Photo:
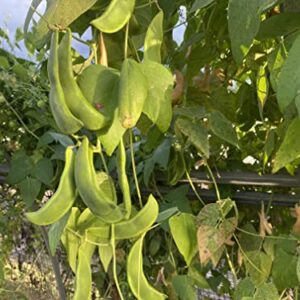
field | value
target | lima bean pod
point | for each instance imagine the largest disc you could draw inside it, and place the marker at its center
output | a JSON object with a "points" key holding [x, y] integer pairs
{"points": [[63, 117], [136, 278], [123, 180], [92, 195], [63, 198], [83, 283], [115, 16], [77, 103], [128, 229]]}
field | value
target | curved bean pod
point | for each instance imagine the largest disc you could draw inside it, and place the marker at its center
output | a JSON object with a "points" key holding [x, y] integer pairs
{"points": [[128, 229], [92, 195], [83, 284], [115, 17], [78, 104], [63, 198], [123, 180], [63, 117], [136, 278]]}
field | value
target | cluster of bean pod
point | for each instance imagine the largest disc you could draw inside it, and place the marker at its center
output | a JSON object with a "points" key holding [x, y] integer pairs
{"points": [[104, 221]]}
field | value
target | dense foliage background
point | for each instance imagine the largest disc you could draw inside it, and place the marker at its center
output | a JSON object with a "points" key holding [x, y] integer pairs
{"points": [[235, 109]]}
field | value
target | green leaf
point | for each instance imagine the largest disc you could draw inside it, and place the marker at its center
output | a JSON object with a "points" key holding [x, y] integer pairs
{"points": [[196, 134], [198, 4], [63, 139], [267, 291], [279, 25], [4, 62], [222, 128], [284, 271], [55, 232], [106, 255], [43, 171], [106, 184], [166, 214], [243, 23], [154, 38], [29, 189], [158, 104], [183, 229], [245, 288], [289, 150], [57, 14], [288, 86], [262, 88], [184, 287], [258, 265], [21, 166]]}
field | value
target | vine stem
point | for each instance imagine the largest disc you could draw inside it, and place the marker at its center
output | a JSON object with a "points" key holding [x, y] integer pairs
{"points": [[55, 267], [214, 180], [126, 41], [231, 266], [113, 244], [191, 181], [138, 191]]}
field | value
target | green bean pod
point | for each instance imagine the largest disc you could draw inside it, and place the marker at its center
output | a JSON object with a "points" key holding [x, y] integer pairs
{"points": [[123, 180], [63, 198], [128, 229], [83, 284], [92, 195], [77, 103], [63, 117], [133, 91], [136, 278], [115, 16]]}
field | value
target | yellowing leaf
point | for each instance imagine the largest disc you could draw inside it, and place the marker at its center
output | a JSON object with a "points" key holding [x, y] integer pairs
{"points": [[262, 86]]}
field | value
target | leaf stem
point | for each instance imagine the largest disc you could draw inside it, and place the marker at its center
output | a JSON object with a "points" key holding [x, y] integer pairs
{"points": [[126, 41], [214, 180]]}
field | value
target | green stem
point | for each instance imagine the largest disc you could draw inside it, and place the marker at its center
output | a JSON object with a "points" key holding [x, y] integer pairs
{"points": [[113, 244], [138, 191], [126, 41], [231, 266], [99, 150], [214, 180]]}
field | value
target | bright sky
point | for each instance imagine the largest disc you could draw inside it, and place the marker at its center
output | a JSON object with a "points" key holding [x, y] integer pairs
{"points": [[13, 13]]}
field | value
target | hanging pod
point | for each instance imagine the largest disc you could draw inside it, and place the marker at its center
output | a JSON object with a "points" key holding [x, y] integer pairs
{"points": [[83, 282], [63, 198], [128, 229], [76, 101], [91, 193], [63, 117], [115, 16], [137, 280]]}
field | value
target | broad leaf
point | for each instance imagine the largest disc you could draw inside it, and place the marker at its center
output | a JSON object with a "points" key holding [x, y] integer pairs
{"points": [[222, 128], [154, 38], [284, 271], [196, 134], [289, 150], [289, 79], [267, 291], [243, 23], [184, 287], [55, 232], [198, 4], [158, 104], [258, 265], [43, 171], [29, 189], [245, 288], [183, 229]]}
